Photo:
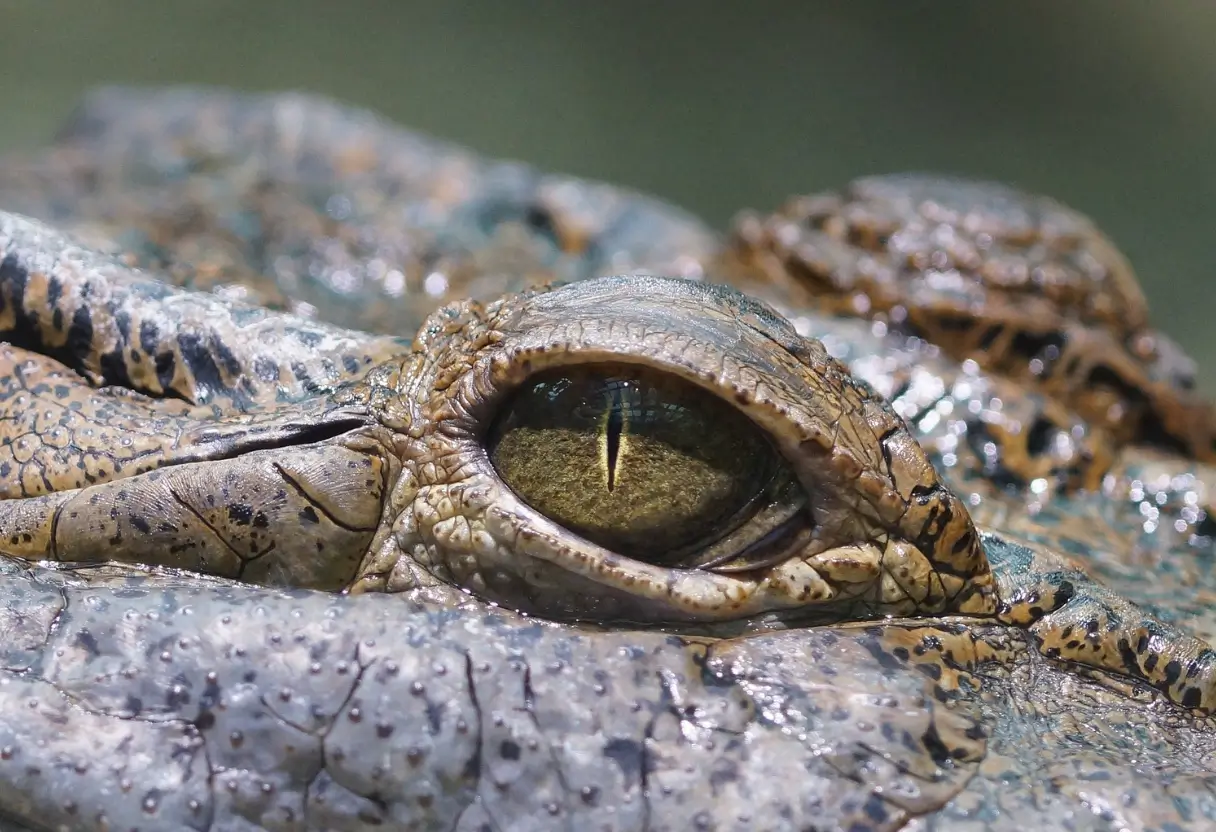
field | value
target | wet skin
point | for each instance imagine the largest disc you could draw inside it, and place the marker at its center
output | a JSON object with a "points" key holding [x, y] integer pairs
{"points": [[859, 543]]}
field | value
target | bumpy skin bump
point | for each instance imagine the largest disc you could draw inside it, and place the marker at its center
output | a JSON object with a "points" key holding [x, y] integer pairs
{"points": [[1064, 691]]}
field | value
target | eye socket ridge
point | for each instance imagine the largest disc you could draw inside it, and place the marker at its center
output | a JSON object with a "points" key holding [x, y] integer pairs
{"points": [[647, 465]]}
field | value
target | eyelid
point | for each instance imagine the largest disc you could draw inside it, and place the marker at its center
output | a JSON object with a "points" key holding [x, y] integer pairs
{"points": [[773, 528]]}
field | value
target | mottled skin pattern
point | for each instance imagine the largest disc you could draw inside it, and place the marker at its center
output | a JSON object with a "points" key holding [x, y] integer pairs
{"points": [[1020, 284], [259, 573]]}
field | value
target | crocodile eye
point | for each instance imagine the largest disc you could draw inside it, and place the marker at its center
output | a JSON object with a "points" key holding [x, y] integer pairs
{"points": [[640, 462]]}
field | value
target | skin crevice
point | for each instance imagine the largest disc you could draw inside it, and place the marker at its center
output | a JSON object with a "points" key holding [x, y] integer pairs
{"points": [[529, 708], [299, 488], [53, 537], [197, 515], [476, 762], [189, 741]]}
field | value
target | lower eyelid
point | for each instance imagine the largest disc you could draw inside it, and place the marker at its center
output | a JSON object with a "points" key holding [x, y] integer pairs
{"points": [[764, 538]]}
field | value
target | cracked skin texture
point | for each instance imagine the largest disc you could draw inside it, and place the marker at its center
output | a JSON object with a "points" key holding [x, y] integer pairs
{"points": [[248, 552]]}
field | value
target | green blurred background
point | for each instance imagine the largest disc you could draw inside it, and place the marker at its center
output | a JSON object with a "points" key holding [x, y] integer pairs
{"points": [[1105, 104]]}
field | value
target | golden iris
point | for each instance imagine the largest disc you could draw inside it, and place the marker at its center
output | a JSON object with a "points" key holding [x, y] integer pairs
{"points": [[638, 461]]}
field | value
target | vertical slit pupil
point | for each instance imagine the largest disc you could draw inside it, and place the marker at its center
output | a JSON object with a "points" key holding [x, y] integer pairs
{"points": [[616, 424]]}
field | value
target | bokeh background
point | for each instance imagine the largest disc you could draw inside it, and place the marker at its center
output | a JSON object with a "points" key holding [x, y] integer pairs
{"points": [[1105, 104]]}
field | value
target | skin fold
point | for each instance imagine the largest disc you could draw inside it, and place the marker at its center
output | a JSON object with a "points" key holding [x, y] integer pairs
{"points": [[349, 480]]}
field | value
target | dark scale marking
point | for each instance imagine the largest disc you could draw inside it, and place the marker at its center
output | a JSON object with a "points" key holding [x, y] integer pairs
{"points": [[166, 369], [266, 369], [990, 336], [224, 356], [955, 323], [434, 715], [240, 513], [133, 706], [149, 337], [80, 335], [932, 670], [1038, 439], [876, 809], [308, 338], [942, 753], [300, 371], [964, 542], [1129, 657], [54, 291], [1032, 345], [122, 320], [114, 369], [884, 657], [14, 275], [86, 640], [201, 364], [629, 755]]}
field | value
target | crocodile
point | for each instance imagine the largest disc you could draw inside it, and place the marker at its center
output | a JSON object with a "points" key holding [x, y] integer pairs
{"points": [[351, 480]]}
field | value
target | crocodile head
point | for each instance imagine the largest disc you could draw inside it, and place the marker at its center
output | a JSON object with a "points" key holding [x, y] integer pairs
{"points": [[633, 552]]}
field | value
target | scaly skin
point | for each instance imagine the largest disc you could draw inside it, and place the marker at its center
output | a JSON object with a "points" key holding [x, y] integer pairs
{"points": [[259, 571]]}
